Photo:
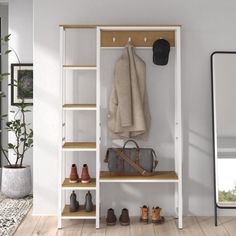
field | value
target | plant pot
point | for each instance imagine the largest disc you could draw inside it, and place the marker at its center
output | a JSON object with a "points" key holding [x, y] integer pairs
{"points": [[16, 182]]}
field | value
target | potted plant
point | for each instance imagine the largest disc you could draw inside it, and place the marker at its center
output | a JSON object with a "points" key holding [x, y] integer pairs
{"points": [[16, 178]]}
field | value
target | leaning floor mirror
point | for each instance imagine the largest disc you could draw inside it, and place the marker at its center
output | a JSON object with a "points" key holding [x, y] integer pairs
{"points": [[223, 71]]}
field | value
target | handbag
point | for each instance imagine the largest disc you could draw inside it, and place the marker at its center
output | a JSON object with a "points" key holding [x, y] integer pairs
{"points": [[142, 161]]}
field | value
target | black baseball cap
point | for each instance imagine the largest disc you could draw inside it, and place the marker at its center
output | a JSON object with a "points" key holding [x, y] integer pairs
{"points": [[161, 49]]}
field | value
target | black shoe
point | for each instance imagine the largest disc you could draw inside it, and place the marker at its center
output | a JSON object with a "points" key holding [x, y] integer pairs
{"points": [[124, 217], [111, 217], [74, 204]]}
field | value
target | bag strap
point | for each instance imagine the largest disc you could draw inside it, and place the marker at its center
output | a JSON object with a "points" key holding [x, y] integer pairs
{"points": [[122, 155]]}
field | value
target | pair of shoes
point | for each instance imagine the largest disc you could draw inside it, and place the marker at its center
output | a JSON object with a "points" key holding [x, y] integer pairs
{"points": [[74, 177], [156, 215], [74, 204], [124, 217]]}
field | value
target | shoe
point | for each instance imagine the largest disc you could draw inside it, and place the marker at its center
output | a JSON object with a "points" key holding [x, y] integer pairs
{"points": [[124, 217], [74, 178], [74, 204], [111, 217], [144, 213], [88, 206], [156, 216], [85, 178]]}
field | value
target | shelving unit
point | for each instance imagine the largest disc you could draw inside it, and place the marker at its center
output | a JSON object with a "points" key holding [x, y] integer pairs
{"points": [[111, 37], [68, 146]]}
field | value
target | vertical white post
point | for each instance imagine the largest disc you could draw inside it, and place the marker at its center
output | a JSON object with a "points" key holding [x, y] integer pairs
{"points": [[62, 41], [178, 130], [98, 128]]}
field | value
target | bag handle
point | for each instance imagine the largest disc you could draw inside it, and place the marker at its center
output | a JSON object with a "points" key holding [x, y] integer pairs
{"points": [[131, 140]]}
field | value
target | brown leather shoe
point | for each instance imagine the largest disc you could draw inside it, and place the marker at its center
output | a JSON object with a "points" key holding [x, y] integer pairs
{"points": [[156, 216], [111, 217], [85, 178], [144, 213], [74, 178], [124, 217]]}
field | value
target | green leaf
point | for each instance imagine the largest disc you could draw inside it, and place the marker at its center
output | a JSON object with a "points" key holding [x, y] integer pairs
{"points": [[7, 38], [11, 146], [7, 52], [5, 74]]}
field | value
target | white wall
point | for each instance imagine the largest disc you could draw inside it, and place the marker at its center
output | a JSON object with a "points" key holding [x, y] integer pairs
{"points": [[207, 26], [21, 40]]}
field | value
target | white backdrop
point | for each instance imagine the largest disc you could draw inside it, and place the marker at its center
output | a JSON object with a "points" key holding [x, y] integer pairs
{"points": [[207, 26]]}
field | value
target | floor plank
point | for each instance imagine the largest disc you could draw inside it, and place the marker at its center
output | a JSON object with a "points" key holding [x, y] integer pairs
{"points": [[138, 228], [71, 228], [191, 227], [169, 228], [208, 227], [118, 230], [28, 225], [46, 226], [89, 229], [230, 226]]}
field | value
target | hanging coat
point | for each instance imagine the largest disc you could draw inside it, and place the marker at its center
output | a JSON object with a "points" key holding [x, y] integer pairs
{"points": [[128, 114]]}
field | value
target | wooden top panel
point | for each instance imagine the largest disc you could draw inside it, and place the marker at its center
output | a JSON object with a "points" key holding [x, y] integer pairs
{"points": [[82, 145], [92, 26], [119, 38], [159, 175], [81, 212], [67, 184]]}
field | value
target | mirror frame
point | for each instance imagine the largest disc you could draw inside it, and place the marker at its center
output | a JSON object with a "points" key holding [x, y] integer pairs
{"points": [[214, 135]]}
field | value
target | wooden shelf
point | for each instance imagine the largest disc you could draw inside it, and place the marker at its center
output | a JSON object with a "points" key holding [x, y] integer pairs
{"points": [[79, 146], [79, 67], [80, 107], [159, 176], [67, 185], [81, 214]]}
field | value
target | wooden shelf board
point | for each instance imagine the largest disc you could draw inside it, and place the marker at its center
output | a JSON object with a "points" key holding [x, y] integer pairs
{"points": [[79, 185], [91, 26], [159, 176], [81, 213], [80, 106], [79, 145]]}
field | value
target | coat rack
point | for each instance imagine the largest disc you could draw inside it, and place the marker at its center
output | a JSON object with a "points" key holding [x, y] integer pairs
{"points": [[119, 38], [116, 36]]}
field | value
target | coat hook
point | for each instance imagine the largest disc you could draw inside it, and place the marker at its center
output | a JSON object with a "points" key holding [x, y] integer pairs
{"points": [[145, 39], [113, 39], [129, 39]]}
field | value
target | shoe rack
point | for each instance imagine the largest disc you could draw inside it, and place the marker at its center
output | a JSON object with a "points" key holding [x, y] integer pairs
{"points": [[111, 37], [65, 187]]}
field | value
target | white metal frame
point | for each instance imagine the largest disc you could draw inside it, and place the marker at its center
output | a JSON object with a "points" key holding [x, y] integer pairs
{"points": [[178, 123]]}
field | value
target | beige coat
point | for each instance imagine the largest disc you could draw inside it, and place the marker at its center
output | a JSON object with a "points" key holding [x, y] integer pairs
{"points": [[128, 114]]}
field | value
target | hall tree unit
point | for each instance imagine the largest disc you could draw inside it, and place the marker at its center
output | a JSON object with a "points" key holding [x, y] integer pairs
{"points": [[112, 37]]}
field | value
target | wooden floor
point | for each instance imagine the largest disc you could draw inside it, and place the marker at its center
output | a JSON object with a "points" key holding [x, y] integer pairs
{"points": [[193, 226]]}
